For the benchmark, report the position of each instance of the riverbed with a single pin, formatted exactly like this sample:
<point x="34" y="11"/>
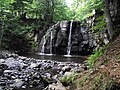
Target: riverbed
<point x="35" y="73"/>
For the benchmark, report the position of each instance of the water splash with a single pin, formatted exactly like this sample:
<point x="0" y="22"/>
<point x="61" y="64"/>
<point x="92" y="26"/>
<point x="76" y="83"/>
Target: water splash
<point x="69" y="39"/>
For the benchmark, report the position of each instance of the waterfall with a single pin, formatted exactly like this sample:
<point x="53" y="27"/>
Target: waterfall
<point x="69" y="39"/>
<point x="51" y="36"/>
<point x="43" y="46"/>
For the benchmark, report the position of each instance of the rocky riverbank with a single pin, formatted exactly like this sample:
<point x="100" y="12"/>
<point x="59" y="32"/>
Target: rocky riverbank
<point x="22" y="73"/>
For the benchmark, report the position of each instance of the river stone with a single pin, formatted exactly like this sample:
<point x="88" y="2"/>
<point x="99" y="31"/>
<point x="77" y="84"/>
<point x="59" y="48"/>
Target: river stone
<point x="57" y="86"/>
<point x="13" y="77"/>
<point x="23" y="58"/>
<point x="33" y="65"/>
<point x="66" y="68"/>
<point x="48" y="75"/>
<point x="18" y="83"/>
<point x="55" y="77"/>
<point x="23" y="87"/>
<point x="36" y="76"/>
<point x="14" y="55"/>
<point x="2" y="61"/>
<point x="68" y="73"/>
<point x="1" y="88"/>
<point x="31" y="86"/>
<point x="11" y="62"/>
<point x="9" y="71"/>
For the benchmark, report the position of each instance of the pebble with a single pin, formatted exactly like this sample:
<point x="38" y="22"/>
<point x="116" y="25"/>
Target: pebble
<point x="2" y="61"/>
<point x="23" y="87"/>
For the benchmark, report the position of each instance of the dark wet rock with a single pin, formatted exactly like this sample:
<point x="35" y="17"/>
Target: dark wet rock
<point x="83" y="40"/>
<point x="35" y="83"/>
<point x="2" y="83"/>
<point x="2" y="68"/>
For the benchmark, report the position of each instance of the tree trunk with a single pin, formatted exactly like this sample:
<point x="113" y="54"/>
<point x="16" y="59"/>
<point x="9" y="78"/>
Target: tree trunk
<point x="108" y="19"/>
<point x="1" y="37"/>
<point x="52" y="12"/>
<point x="2" y="30"/>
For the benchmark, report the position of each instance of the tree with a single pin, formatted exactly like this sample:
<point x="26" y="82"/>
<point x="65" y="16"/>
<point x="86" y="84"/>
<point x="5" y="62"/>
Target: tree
<point x="84" y="8"/>
<point x="22" y="18"/>
<point x="4" y="4"/>
<point x="108" y="19"/>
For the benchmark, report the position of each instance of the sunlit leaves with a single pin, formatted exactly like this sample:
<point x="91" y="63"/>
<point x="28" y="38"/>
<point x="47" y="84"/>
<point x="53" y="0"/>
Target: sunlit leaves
<point x="85" y="7"/>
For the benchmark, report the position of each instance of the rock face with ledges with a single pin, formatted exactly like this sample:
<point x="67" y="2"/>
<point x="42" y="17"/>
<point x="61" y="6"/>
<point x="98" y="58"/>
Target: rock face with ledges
<point x="83" y="40"/>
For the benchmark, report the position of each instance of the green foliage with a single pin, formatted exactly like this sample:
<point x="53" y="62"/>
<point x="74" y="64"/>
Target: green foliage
<point x="101" y="82"/>
<point x="68" y="79"/>
<point x="62" y="12"/>
<point x="93" y="58"/>
<point x="15" y="32"/>
<point x="84" y="79"/>
<point x="96" y="81"/>
<point x="85" y="8"/>
<point x="100" y="25"/>
<point x="22" y="17"/>
<point x="16" y="37"/>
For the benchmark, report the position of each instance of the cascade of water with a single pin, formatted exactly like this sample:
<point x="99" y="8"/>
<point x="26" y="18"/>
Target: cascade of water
<point x="69" y="39"/>
<point x="51" y="36"/>
<point x="43" y="46"/>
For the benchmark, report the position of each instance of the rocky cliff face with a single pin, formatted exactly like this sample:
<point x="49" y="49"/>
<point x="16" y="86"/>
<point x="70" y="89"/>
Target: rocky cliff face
<point x="60" y="38"/>
<point x="82" y="39"/>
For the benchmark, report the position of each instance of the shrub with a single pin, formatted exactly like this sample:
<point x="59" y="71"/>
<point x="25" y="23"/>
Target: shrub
<point x="93" y="58"/>
<point x="68" y="79"/>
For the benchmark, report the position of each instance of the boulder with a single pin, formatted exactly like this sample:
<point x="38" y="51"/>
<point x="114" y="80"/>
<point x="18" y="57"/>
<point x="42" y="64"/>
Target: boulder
<point x="18" y="83"/>
<point x="66" y="68"/>
<point x="57" y="86"/>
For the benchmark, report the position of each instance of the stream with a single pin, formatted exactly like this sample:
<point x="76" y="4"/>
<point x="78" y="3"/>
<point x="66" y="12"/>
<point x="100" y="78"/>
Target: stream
<point x="54" y="57"/>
